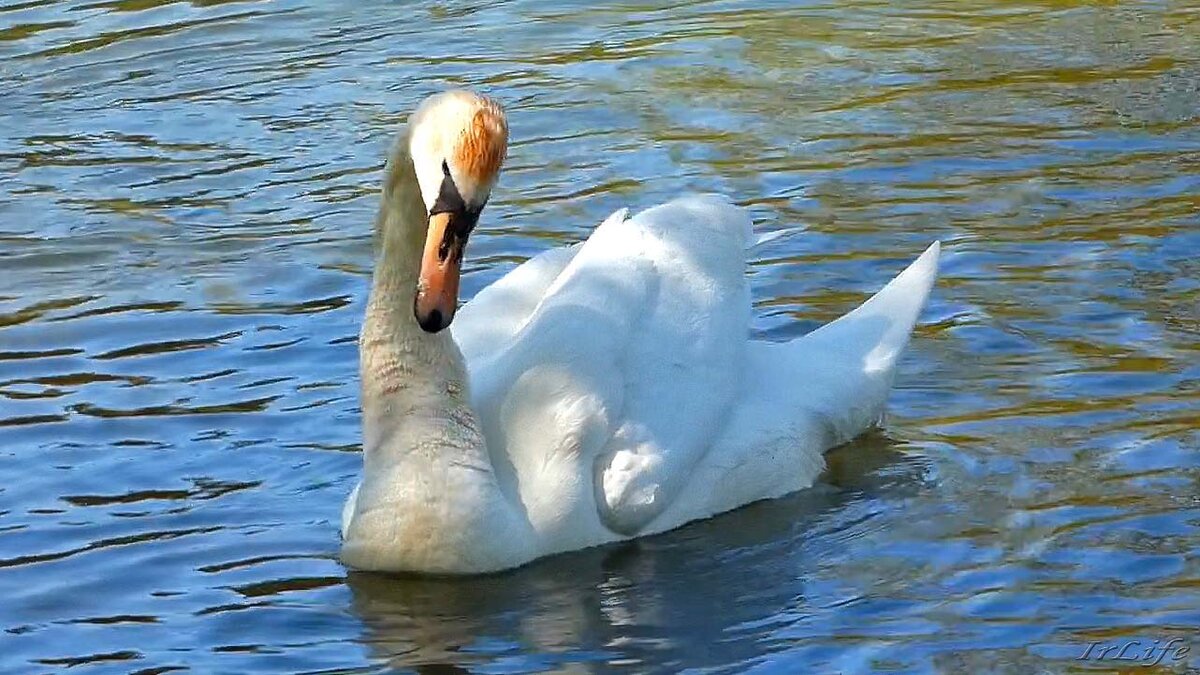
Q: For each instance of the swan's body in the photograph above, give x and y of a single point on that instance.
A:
(613, 389)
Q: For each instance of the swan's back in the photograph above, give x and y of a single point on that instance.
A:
(619, 392)
(610, 388)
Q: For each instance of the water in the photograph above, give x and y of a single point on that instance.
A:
(186, 200)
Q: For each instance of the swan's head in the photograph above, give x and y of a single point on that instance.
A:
(457, 141)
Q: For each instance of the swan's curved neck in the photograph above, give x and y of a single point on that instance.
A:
(414, 384)
(429, 499)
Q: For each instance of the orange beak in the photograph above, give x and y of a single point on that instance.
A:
(437, 284)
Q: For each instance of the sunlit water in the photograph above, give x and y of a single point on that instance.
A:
(186, 197)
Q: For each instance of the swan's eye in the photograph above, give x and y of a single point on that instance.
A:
(450, 200)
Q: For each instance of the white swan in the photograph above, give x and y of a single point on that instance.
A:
(613, 391)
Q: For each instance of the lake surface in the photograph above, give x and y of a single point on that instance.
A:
(186, 200)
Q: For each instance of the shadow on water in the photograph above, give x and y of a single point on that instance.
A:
(710, 585)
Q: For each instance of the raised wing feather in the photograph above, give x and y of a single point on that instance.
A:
(682, 362)
(626, 368)
(489, 321)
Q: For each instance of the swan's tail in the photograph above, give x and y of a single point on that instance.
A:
(805, 396)
(877, 331)
(841, 373)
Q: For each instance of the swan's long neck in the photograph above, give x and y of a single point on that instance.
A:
(429, 499)
(414, 384)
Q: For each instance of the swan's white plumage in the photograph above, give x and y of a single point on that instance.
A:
(626, 365)
(616, 379)
(801, 398)
(619, 393)
(612, 392)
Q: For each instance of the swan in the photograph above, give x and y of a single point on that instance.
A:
(598, 392)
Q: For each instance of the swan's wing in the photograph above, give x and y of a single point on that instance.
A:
(806, 396)
(489, 321)
(494, 315)
(682, 367)
(627, 368)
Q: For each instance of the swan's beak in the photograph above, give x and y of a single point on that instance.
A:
(437, 285)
